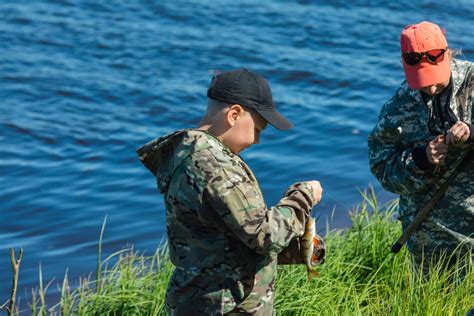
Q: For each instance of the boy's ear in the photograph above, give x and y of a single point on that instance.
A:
(235, 111)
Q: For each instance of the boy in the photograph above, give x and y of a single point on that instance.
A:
(223, 240)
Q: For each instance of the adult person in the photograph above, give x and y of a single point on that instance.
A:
(422, 132)
(223, 240)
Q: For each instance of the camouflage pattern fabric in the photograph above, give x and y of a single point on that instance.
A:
(403, 126)
(223, 240)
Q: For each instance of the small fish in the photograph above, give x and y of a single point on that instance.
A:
(308, 243)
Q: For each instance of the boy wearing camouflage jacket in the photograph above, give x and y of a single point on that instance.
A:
(223, 240)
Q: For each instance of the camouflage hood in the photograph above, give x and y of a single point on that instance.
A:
(164, 154)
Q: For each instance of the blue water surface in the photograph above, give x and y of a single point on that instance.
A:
(84, 83)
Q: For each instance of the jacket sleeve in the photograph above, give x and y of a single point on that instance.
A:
(392, 163)
(471, 133)
(267, 231)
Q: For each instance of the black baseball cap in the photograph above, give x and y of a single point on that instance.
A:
(250, 90)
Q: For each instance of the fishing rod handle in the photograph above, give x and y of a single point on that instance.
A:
(396, 247)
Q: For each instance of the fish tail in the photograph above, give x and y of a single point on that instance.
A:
(312, 273)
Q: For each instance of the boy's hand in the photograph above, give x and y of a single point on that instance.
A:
(459, 132)
(317, 190)
(436, 150)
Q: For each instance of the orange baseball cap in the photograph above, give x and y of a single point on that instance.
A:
(420, 38)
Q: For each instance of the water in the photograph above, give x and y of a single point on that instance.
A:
(84, 83)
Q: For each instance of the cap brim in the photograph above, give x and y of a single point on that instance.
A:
(275, 119)
(426, 74)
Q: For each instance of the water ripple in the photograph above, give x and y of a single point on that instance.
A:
(86, 83)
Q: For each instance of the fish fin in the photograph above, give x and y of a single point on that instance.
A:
(312, 273)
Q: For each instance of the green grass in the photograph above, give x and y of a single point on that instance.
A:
(360, 277)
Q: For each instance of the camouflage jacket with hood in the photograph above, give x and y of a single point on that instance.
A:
(403, 127)
(223, 240)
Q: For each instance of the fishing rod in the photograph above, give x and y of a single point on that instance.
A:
(424, 212)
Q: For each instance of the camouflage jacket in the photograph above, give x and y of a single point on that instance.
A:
(403, 126)
(223, 240)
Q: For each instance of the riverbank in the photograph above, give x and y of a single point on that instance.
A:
(360, 276)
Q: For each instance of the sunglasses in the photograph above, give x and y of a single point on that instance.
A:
(433, 56)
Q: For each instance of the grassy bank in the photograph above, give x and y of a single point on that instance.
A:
(360, 276)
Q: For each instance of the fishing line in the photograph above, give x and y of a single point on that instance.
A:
(336, 200)
(326, 193)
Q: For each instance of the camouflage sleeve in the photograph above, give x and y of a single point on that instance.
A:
(392, 164)
(291, 254)
(267, 231)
